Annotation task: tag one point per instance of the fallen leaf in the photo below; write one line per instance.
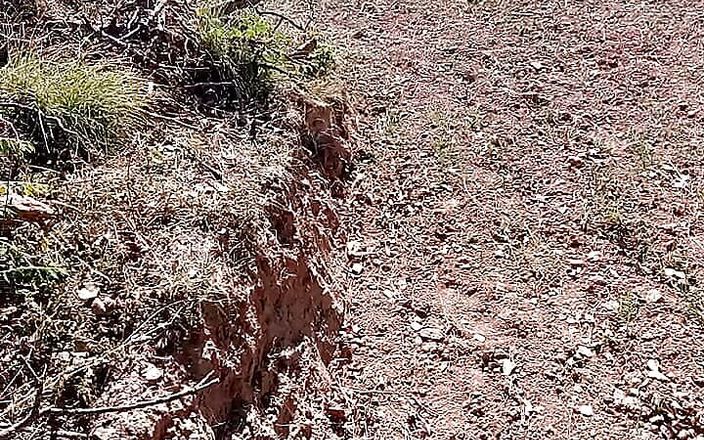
(98, 307)
(336, 413)
(305, 49)
(575, 161)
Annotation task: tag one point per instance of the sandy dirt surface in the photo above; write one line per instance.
(527, 245)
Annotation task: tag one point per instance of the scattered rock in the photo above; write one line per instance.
(104, 433)
(612, 305)
(152, 373)
(674, 274)
(28, 208)
(357, 269)
(507, 367)
(586, 410)
(429, 347)
(584, 351)
(537, 65)
(654, 371)
(657, 419)
(500, 353)
(576, 262)
(354, 249)
(647, 335)
(653, 296)
(594, 256)
(618, 396)
(658, 376)
(431, 333)
(88, 292)
(681, 181)
(653, 365)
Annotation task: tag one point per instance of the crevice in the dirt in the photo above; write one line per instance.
(324, 135)
(261, 315)
(268, 343)
(288, 315)
(268, 348)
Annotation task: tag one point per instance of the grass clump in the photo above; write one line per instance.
(240, 37)
(21, 271)
(68, 106)
(245, 49)
(322, 61)
(15, 147)
(249, 53)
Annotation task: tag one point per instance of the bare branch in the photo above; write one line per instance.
(31, 416)
(205, 383)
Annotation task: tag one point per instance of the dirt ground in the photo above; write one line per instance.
(522, 226)
(527, 243)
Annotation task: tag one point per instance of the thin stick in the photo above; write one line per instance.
(29, 268)
(5, 433)
(32, 415)
(70, 434)
(281, 17)
(205, 383)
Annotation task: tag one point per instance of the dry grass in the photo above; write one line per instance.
(185, 194)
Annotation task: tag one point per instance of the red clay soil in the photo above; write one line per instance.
(527, 241)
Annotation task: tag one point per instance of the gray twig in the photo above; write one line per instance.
(205, 383)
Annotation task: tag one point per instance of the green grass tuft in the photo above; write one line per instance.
(69, 104)
(19, 270)
(250, 54)
(15, 147)
(240, 37)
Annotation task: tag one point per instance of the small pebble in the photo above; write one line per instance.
(586, 410)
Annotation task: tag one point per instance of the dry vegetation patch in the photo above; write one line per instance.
(165, 224)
